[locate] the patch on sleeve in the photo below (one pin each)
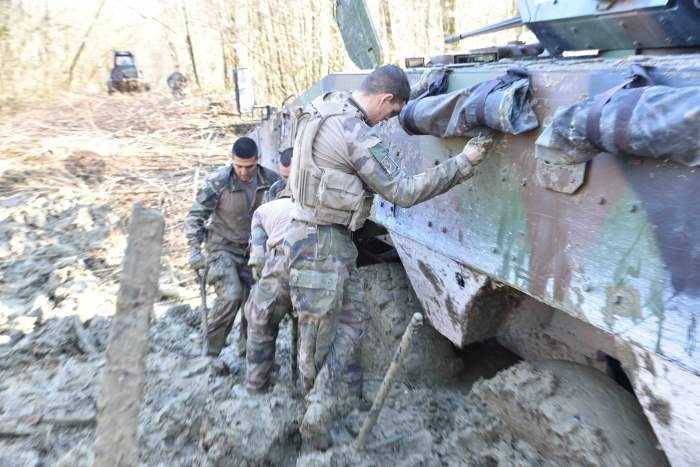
(206, 194)
(386, 160)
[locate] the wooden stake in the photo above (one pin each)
(124, 375)
(384, 389)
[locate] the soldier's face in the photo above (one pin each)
(244, 168)
(284, 171)
(385, 108)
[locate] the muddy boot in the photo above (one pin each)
(216, 342)
(241, 346)
(316, 426)
(242, 337)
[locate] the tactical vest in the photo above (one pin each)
(329, 195)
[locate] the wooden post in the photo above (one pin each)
(124, 375)
(371, 419)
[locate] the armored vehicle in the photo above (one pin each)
(125, 76)
(578, 238)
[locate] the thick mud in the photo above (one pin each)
(489, 410)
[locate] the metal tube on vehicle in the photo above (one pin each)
(500, 26)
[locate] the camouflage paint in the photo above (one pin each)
(597, 254)
(620, 253)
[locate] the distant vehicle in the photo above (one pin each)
(125, 76)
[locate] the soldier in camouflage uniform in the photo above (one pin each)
(339, 162)
(269, 300)
(227, 200)
(278, 189)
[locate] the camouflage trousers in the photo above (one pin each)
(326, 294)
(266, 307)
(231, 278)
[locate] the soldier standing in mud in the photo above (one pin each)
(227, 200)
(177, 83)
(269, 299)
(339, 162)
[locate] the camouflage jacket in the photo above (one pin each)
(277, 190)
(347, 143)
(270, 223)
(176, 80)
(222, 202)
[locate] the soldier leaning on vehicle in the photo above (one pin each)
(339, 163)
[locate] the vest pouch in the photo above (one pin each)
(360, 216)
(340, 191)
(307, 187)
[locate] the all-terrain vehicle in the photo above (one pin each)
(125, 76)
(577, 240)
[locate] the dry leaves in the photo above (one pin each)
(118, 150)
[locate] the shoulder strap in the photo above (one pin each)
(638, 76)
(309, 123)
(321, 110)
(484, 89)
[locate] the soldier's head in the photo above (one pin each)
(383, 93)
(285, 163)
(244, 158)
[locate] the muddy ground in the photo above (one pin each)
(68, 175)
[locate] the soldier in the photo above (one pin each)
(269, 300)
(177, 83)
(278, 188)
(339, 162)
(227, 199)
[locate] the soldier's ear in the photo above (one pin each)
(386, 98)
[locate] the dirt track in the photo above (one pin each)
(69, 173)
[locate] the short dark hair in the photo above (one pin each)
(245, 148)
(286, 157)
(387, 79)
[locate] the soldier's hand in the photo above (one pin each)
(197, 260)
(477, 149)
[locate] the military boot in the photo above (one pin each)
(241, 344)
(216, 342)
(242, 336)
(218, 333)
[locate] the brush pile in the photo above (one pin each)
(69, 174)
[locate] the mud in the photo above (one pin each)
(193, 411)
(196, 412)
